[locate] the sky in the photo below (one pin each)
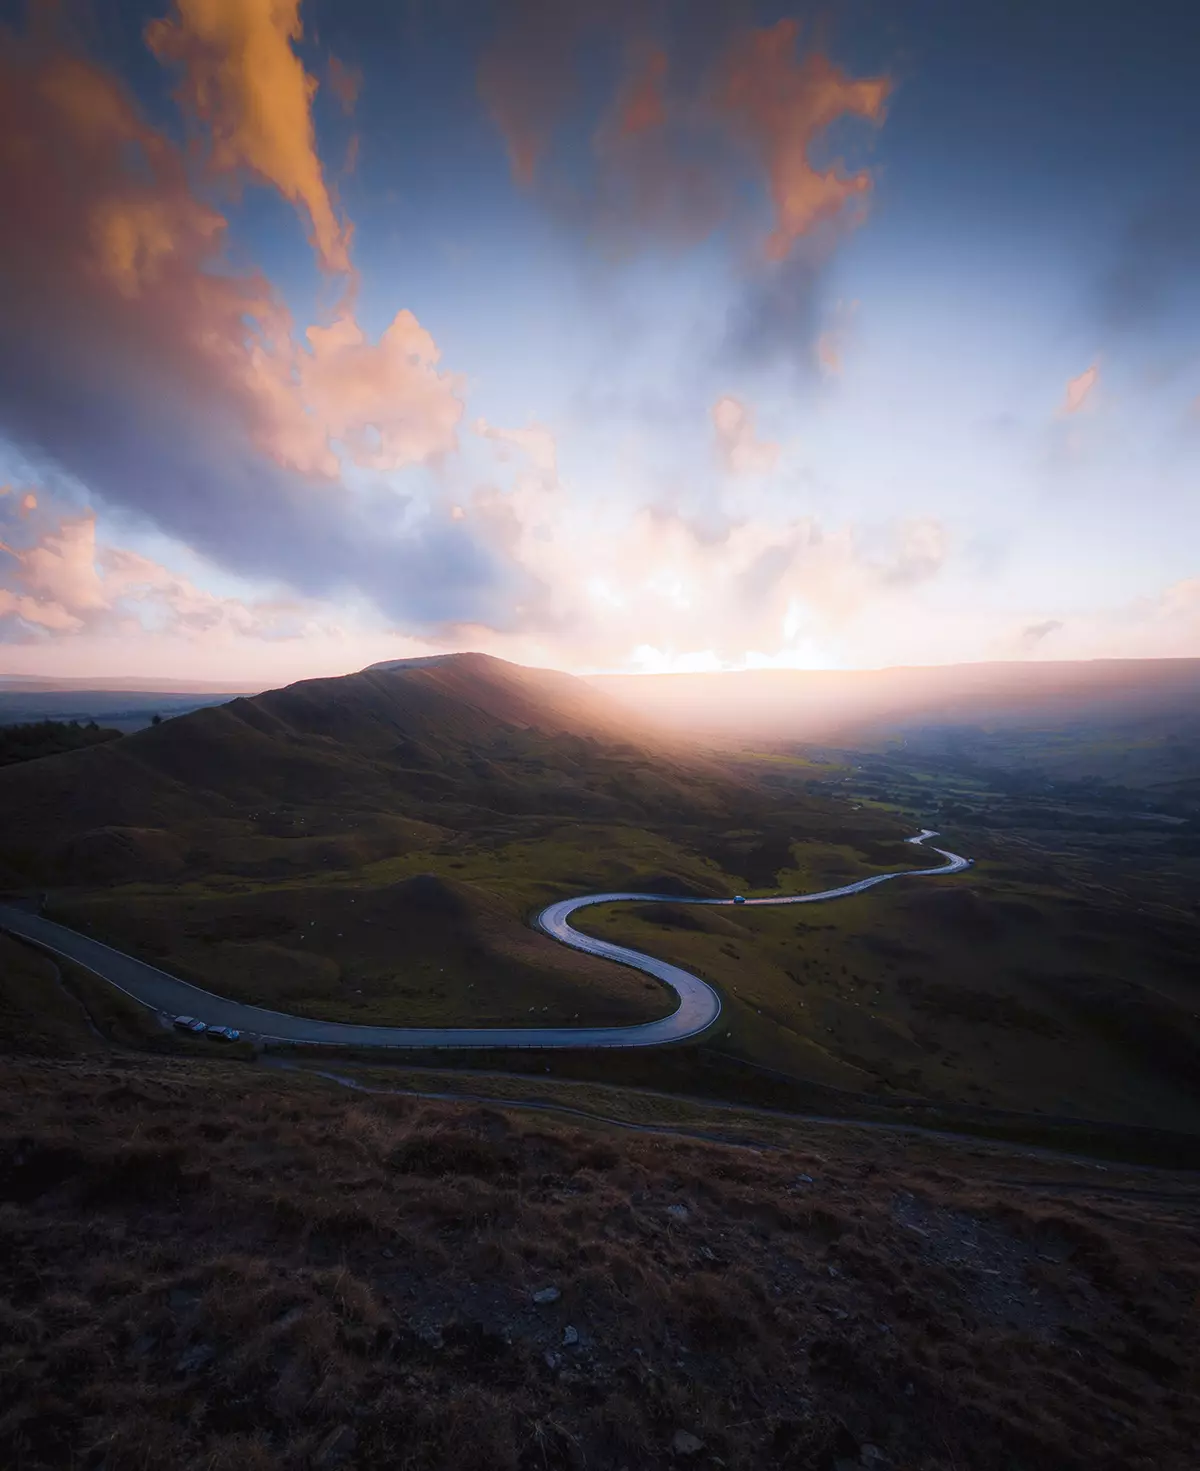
(596, 334)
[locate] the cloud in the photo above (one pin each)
(737, 448)
(1078, 390)
(829, 354)
(776, 318)
(244, 82)
(641, 106)
(525, 78)
(783, 106)
(671, 148)
(386, 403)
(535, 441)
(1164, 625)
(345, 82)
(1033, 633)
(919, 551)
(601, 579)
(135, 359)
(66, 583)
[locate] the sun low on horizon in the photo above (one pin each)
(600, 336)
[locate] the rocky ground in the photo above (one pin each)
(210, 1266)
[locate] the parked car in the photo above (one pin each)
(224, 1034)
(190, 1024)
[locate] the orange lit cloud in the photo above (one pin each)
(783, 105)
(641, 107)
(740, 451)
(1079, 390)
(667, 165)
(245, 83)
(345, 82)
(179, 389)
(131, 249)
(525, 79)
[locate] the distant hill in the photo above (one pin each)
(460, 741)
(123, 684)
(845, 705)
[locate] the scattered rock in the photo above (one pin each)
(570, 1336)
(388, 1252)
(684, 1443)
(680, 1212)
(873, 1457)
(195, 1358)
(144, 1345)
(546, 1295)
(336, 1446)
(553, 1360)
(180, 1299)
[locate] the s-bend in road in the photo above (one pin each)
(699, 1004)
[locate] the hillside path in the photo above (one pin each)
(699, 1004)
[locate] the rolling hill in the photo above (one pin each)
(369, 848)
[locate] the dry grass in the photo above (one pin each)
(207, 1266)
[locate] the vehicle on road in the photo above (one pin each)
(189, 1024)
(739, 898)
(223, 1034)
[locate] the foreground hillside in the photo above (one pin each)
(206, 1266)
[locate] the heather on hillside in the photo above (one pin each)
(205, 1267)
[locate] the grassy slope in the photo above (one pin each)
(987, 990)
(268, 849)
(212, 1268)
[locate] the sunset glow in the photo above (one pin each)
(595, 336)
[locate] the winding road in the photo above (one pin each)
(699, 1004)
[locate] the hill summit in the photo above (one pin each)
(454, 739)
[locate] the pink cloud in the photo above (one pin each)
(737, 446)
(1079, 390)
(68, 583)
(783, 105)
(386, 402)
(534, 441)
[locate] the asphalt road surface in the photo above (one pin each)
(699, 1004)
